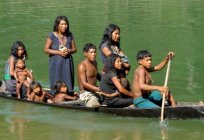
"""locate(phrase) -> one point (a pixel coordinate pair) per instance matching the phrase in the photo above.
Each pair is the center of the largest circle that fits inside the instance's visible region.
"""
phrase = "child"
(61, 92)
(38, 95)
(145, 94)
(22, 74)
(125, 83)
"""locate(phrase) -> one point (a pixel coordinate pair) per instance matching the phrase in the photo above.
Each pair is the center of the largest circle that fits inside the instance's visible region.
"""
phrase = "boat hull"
(182, 111)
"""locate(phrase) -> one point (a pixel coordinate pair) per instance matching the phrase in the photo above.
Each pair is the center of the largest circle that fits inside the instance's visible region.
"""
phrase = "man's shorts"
(90, 99)
(152, 101)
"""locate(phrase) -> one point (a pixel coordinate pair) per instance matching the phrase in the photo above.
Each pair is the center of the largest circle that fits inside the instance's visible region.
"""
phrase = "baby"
(22, 74)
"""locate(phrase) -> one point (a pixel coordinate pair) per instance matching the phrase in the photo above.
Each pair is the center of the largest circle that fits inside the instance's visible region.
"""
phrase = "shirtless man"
(87, 77)
(22, 74)
(145, 94)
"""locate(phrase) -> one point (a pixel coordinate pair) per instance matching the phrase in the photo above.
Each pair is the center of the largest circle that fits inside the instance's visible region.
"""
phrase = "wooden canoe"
(184, 110)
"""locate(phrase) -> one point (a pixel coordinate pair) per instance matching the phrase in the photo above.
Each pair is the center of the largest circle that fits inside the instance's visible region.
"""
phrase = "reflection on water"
(18, 126)
(164, 133)
(30, 121)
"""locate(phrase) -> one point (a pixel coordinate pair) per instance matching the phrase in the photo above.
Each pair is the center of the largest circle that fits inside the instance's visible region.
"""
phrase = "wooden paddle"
(165, 84)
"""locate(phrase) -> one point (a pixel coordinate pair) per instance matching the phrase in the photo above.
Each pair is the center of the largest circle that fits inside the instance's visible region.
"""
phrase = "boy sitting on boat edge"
(145, 94)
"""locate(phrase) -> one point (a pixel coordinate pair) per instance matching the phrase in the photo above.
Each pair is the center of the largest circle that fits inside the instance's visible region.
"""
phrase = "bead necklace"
(62, 42)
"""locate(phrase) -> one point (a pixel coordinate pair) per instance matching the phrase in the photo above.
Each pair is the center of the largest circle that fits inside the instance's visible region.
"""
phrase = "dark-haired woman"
(18, 51)
(60, 46)
(111, 85)
(110, 44)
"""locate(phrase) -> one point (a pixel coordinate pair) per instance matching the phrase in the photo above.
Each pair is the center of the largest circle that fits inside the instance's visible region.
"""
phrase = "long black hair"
(107, 36)
(109, 64)
(14, 49)
(57, 22)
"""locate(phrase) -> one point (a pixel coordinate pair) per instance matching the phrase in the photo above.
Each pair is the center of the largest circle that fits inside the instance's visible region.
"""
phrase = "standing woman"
(18, 51)
(111, 44)
(60, 46)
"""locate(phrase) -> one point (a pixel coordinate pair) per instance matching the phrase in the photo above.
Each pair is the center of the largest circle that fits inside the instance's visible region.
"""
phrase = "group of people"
(108, 86)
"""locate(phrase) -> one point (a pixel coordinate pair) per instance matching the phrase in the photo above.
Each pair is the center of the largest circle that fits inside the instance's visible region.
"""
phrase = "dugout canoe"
(184, 110)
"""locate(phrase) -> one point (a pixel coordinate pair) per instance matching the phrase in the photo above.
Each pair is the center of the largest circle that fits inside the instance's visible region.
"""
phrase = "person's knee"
(144, 103)
(18, 85)
(155, 96)
(93, 102)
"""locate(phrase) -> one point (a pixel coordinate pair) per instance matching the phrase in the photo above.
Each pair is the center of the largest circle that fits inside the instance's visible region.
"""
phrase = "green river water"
(157, 25)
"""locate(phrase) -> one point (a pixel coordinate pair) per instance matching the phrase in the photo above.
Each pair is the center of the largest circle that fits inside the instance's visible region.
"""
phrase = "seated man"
(88, 76)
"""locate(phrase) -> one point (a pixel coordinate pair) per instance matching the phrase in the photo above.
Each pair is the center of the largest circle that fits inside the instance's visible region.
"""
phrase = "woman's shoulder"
(52, 35)
(12, 59)
(104, 44)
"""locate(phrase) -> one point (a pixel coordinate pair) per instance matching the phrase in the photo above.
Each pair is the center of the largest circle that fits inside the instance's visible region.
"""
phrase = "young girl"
(21, 74)
(18, 51)
(38, 95)
(110, 44)
(61, 92)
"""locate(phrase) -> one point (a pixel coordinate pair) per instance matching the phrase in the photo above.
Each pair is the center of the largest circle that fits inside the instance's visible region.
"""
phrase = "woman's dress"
(61, 68)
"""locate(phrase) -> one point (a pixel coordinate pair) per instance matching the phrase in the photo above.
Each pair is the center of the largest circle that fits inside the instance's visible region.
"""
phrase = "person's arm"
(106, 51)
(11, 66)
(120, 88)
(30, 75)
(70, 97)
(163, 63)
(73, 47)
(121, 52)
(31, 96)
(126, 65)
(143, 86)
(109, 95)
(48, 95)
(15, 75)
(83, 81)
(48, 50)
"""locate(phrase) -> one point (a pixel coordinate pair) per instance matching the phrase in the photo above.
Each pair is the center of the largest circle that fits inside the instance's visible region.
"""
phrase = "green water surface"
(157, 25)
